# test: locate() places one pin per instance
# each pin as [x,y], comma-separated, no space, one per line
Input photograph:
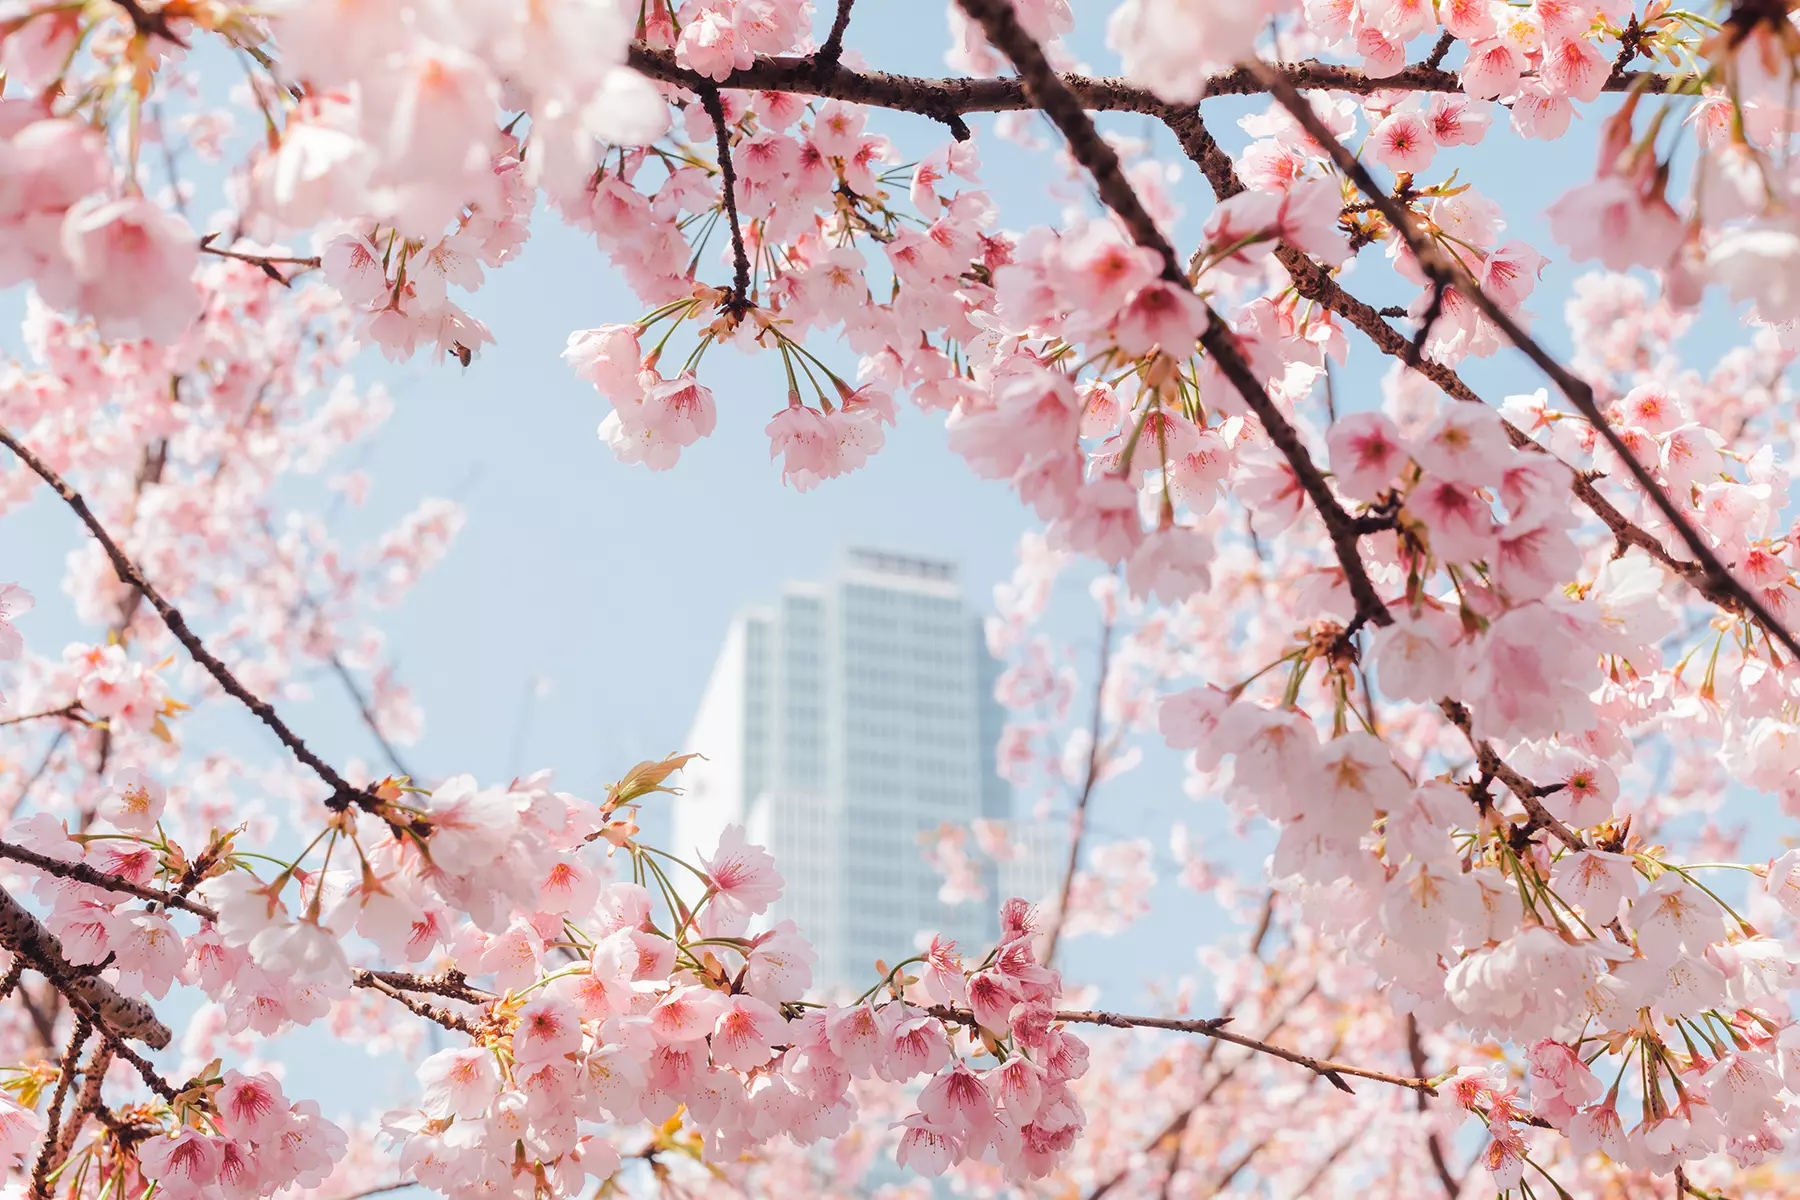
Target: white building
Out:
[1040,855]
[840,725]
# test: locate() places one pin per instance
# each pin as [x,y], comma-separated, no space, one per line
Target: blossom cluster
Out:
[1476,671]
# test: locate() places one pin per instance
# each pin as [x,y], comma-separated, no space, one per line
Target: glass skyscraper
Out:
[840,726]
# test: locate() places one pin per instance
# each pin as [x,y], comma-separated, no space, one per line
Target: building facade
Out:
[841,725]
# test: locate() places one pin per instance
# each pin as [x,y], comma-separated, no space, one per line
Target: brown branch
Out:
[267,263]
[1078,818]
[1530,794]
[94,877]
[1177,1126]
[1313,282]
[1214,1027]
[431,1012]
[1434,1145]
[1048,91]
[1441,269]
[24,935]
[1435,59]
[827,56]
[947,99]
[739,303]
[451,984]
[145,1068]
[70,711]
[343,795]
[93,1078]
[367,714]
[65,1072]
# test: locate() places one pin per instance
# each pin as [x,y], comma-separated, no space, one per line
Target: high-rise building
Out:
[839,726]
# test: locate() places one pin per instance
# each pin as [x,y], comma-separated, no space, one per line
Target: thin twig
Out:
[947,99]
[71,711]
[1435,59]
[93,1078]
[1313,282]
[65,1073]
[1442,269]
[267,263]
[94,877]
[1049,92]
[451,984]
[343,795]
[431,1012]
[827,56]
[1529,794]
[739,303]
[1078,818]
[1434,1145]
[1214,1027]
[367,713]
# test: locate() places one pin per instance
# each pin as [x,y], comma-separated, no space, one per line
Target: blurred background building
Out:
[841,725]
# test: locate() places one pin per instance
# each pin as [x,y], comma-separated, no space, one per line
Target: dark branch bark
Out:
[1442,270]
[1313,282]
[1529,794]
[24,935]
[1048,91]
[739,303]
[828,53]
[947,99]
[94,877]
[1078,819]
[367,714]
[1434,1145]
[343,795]
[431,1012]
[65,1073]
[1214,1027]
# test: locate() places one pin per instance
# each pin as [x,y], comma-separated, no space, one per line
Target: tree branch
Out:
[947,99]
[826,57]
[1048,91]
[343,795]
[1530,794]
[70,711]
[1442,270]
[65,1073]
[367,713]
[431,1012]
[94,877]
[1434,1145]
[1078,819]
[1313,282]
[1214,1027]
[1177,1126]
[24,935]
[451,984]
[739,303]
[93,1078]
[267,263]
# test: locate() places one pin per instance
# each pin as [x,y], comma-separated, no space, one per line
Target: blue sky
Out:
[616,584]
